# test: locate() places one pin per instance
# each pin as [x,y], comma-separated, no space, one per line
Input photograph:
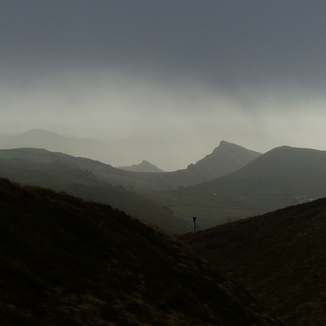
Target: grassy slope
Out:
[41,167]
[65,261]
[280,257]
[83,183]
[282,177]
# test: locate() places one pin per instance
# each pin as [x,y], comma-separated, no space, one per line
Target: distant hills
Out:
[224,159]
[65,261]
[279,257]
[144,166]
[97,181]
[105,150]
[229,184]
[279,178]
[75,176]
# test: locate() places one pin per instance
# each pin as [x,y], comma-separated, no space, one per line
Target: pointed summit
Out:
[144,166]
[225,158]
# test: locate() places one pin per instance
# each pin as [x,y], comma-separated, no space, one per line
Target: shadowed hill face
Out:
[284,169]
[280,178]
[280,257]
[97,181]
[144,166]
[226,158]
[289,162]
[75,176]
[65,261]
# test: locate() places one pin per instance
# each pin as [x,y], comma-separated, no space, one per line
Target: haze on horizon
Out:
[173,77]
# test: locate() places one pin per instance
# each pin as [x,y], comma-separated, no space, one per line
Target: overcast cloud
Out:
[176,76]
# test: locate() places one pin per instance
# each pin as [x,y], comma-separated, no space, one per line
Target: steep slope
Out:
[111,151]
[287,170]
[65,261]
[279,257]
[224,159]
[144,166]
[279,178]
[74,176]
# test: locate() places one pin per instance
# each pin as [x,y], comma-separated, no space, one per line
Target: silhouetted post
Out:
[194,218]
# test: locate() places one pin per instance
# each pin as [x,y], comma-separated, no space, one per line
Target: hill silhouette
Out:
[65,261]
[279,257]
[282,177]
[109,151]
[144,166]
[74,175]
[225,158]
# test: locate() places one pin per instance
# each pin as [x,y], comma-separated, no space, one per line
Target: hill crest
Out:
[144,166]
[65,261]
[278,256]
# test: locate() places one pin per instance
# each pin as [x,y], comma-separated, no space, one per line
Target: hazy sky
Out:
[175,77]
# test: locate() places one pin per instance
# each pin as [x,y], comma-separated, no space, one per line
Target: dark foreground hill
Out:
[65,261]
[280,257]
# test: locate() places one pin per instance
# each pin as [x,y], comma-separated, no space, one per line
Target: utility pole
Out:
[194,218]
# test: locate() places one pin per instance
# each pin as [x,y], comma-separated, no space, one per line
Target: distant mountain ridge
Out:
[144,166]
[94,180]
[282,177]
[224,159]
[78,176]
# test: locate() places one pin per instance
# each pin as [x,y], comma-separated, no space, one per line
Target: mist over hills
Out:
[279,178]
[104,150]
[65,261]
[144,166]
[248,183]
[73,175]
[279,257]
[97,181]
[114,150]
[225,158]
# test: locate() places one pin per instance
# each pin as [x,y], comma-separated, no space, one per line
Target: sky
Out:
[168,79]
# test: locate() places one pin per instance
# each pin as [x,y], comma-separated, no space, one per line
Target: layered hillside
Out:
[74,176]
[279,257]
[224,159]
[283,171]
[282,177]
[144,166]
[65,261]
